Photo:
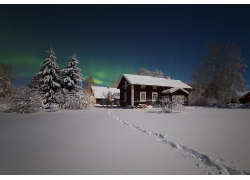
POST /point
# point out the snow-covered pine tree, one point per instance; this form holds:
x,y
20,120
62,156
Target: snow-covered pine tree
x,y
72,77
49,77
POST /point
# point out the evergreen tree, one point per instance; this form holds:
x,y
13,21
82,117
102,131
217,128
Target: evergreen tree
x,y
49,77
72,79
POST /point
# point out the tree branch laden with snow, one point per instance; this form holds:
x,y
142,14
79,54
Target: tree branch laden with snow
x,y
168,106
25,100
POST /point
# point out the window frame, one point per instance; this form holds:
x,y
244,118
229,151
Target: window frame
x,y
141,97
153,96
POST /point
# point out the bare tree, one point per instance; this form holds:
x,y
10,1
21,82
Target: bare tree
x,y
5,79
108,98
157,73
146,72
90,82
219,73
114,82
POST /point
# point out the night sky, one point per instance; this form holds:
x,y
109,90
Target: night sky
x,y
110,40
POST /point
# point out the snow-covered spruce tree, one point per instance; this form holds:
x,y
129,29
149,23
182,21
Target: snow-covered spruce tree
x,y
49,77
73,96
72,77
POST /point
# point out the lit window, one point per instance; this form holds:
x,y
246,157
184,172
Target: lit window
x,y
154,96
143,96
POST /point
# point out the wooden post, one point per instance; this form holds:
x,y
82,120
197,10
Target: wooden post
x,y
132,95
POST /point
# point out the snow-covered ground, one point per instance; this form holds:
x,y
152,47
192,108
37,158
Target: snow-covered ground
x,y
126,141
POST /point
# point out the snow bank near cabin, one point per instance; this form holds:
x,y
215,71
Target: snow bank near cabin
x,y
125,141
234,106
246,106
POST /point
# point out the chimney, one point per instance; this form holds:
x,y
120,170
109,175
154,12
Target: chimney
x,y
167,77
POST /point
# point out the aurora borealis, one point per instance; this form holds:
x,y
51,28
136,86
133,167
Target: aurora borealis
x,y
110,40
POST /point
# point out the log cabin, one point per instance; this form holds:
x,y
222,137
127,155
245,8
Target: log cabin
x,y
138,89
244,97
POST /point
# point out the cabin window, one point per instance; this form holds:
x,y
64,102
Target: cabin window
x,y
125,84
154,87
154,96
143,96
125,96
143,86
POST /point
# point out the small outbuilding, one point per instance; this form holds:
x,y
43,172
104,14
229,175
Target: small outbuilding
x,y
99,94
244,97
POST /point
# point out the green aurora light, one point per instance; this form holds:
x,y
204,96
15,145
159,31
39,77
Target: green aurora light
x,y
25,65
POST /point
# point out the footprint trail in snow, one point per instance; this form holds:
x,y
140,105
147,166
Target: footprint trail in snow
x,y
201,160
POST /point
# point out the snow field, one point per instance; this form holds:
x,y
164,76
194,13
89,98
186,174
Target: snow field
x,y
212,165
80,142
125,141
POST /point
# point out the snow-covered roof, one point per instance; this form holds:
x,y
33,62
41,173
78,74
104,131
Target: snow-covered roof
x,y
241,94
171,90
154,81
98,91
